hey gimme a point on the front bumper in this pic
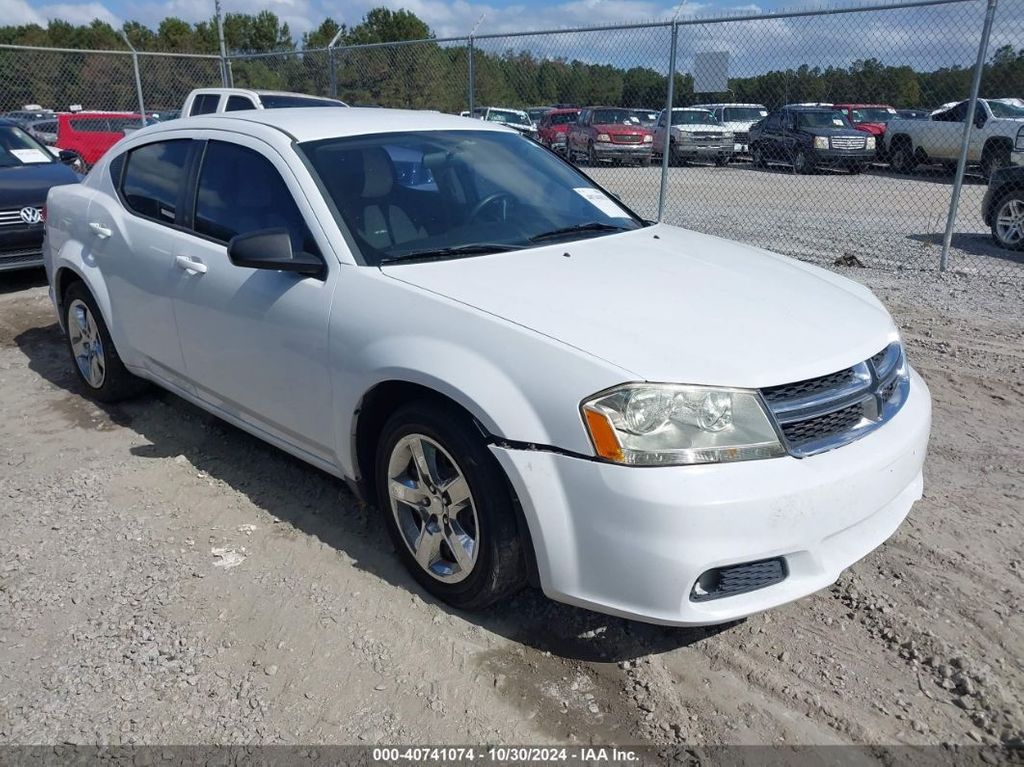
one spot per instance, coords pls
(632, 541)
(606, 151)
(685, 149)
(843, 158)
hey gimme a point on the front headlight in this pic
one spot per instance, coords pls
(648, 139)
(871, 143)
(671, 425)
(821, 142)
(603, 137)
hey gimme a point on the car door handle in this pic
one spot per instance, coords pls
(103, 232)
(190, 265)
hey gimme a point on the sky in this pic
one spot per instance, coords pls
(925, 38)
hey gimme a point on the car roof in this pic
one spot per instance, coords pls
(801, 108)
(690, 109)
(564, 110)
(853, 105)
(312, 124)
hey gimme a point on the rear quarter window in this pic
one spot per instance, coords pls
(153, 178)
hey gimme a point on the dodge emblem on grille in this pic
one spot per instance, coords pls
(31, 215)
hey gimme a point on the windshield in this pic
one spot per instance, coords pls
(646, 117)
(565, 118)
(873, 114)
(273, 101)
(508, 116)
(422, 195)
(822, 119)
(614, 117)
(743, 114)
(17, 148)
(693, 117)
(1007, 111)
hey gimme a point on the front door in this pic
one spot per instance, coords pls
(255, 340)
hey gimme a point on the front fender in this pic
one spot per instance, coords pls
(520, 385)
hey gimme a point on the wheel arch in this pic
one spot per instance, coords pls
(377, 405)
(995, 144)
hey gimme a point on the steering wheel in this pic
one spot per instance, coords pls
(490, 200)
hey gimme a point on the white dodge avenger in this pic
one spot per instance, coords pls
(532, 384)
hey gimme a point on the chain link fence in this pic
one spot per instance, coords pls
(863, 173)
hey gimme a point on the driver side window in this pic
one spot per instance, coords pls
(240, 191)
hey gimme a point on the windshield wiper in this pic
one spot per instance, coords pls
(593, 226)
(438, 254)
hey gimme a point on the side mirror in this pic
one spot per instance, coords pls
(67, 157)
(272, 249)
(979, 119)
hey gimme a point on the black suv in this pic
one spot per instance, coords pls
(809, 138)
(27, 171)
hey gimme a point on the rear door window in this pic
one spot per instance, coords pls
(204, 104)
(239, 104)
(153, 179)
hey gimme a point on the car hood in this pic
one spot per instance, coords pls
(666, 304)
(739, 125)
(874, 129)
(28, 184)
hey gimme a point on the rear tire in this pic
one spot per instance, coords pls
(448, 507)
(93, 356)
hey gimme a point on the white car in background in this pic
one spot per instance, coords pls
(531, 382)
(738, 118)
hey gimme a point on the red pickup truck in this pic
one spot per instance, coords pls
(869, 118)
(91, 134)
(609, 133)
(554, 127)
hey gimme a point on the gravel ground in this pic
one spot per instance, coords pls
(826, 216)
(165, 578)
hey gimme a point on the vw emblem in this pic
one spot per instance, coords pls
(31, 215)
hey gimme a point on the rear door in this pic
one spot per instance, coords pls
(133, 235)
(255, 340)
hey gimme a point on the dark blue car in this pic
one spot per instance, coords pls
(27, 171)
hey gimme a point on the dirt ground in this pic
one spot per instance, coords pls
(165, 578)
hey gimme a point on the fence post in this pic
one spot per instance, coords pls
(225, 65)
(965, 143)
(330, 58)
(668, 119)
(472, 77)
(138, 79)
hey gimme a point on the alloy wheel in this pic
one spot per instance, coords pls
(86, 344)
(433, 508)
(1010, 222)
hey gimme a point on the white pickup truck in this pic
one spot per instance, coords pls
(998, 134)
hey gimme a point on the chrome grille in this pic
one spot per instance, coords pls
(13, 217)
(741, 137)
(627, 139)
(823, 413)
(848, 142)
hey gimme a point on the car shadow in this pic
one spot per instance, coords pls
(319, 505)
(972, 244)
(22, 279)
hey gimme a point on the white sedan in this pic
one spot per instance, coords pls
(530, 382)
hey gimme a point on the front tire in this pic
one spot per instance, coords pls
(448, 507)
(1008, 222)
(802, 164)
(93, 355)
(903, 159)
(996, 158)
